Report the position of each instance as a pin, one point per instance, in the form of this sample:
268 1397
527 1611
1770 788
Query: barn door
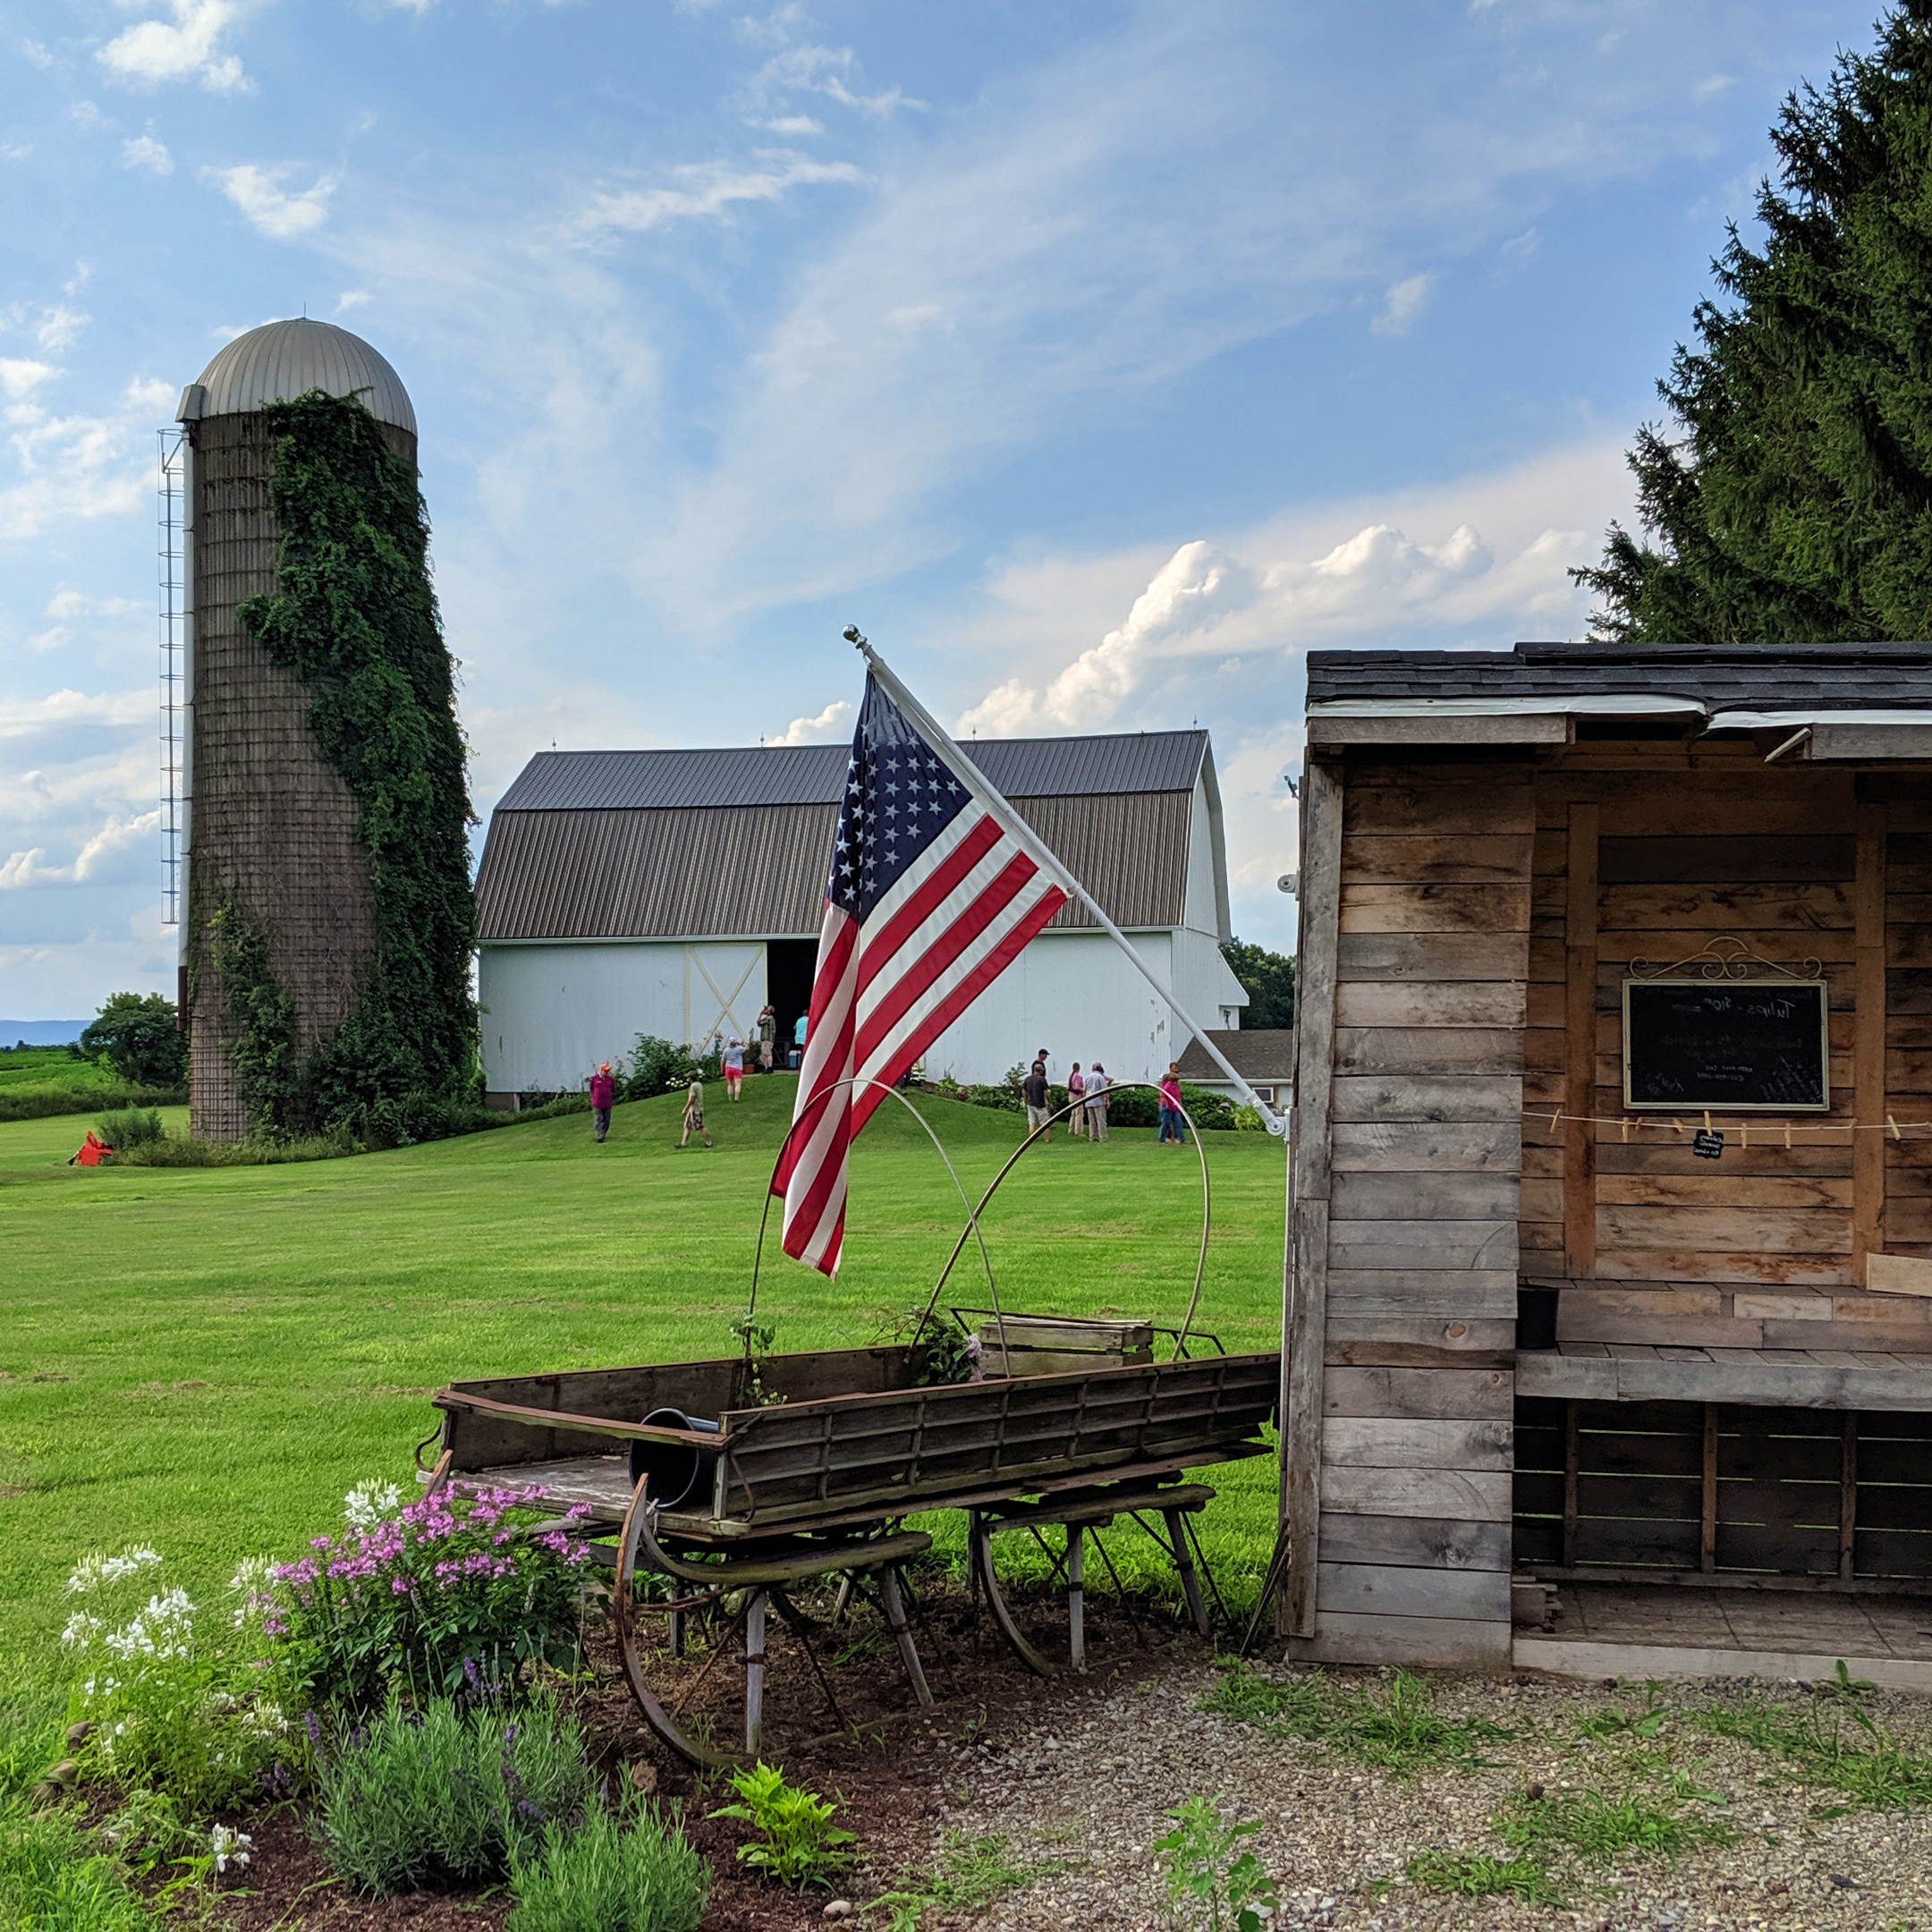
723 989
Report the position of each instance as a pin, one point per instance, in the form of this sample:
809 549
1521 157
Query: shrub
171 1700
797 1843
137 1035
660 1067
437 1595
1140 1106
432 1799
617 1874
130 1128
183 1151
47 1103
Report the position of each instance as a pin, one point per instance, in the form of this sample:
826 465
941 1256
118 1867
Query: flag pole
990 796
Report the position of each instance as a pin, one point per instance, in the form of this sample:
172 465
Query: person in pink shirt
1172 1127
603 1097
1076 1093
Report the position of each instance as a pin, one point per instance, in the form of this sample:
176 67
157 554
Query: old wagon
721 1487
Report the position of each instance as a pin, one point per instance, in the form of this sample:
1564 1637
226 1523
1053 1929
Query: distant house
1263 1057
674 892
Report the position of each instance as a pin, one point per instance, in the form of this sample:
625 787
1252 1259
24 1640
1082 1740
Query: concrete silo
271 823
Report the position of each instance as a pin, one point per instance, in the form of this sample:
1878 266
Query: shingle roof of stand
814 775
1782 677
682 844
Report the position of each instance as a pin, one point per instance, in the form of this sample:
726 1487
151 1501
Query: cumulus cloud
58 327
188 47
17 376
96 857
280 213
63 711
76 467
66 604
832 72
828 727
145 152
1403 302
710 189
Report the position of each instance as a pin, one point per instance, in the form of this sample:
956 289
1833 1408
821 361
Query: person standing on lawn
1172 1126
1097 1084
801 1026
768 1035
733 1063
1033 1090
694 1113
1076 1093
603 1097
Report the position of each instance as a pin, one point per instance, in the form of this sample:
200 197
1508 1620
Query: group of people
1087 1102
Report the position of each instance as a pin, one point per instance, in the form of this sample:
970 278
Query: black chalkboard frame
1717 1103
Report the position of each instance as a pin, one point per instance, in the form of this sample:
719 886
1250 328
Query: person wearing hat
602 1093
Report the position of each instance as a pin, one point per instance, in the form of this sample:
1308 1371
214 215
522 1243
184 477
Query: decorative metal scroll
1724 958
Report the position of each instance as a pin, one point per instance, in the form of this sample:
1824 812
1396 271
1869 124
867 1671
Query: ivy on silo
354 616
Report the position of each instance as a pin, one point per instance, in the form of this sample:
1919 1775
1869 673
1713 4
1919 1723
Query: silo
270 822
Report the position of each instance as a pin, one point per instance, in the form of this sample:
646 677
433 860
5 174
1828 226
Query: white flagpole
989 795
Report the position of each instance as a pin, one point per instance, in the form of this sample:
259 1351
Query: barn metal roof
1814 680
814 775
281 360
686 844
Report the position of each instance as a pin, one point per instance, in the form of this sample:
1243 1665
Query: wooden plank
1706 1187
1395 1443
1481 1003
1448 1395
1407 807
1361 1050
1483 1283
1447 1297
1405 1591
1303 1323
1869 1053
1815 907
1421 1245
1420 909
1438 956
1727 859
1671 1156
1796 1231
1647 1264
1425 858
1899 1274
1421 1196
1324 728
1427 1098
1416 1541
1445 1643
1617 945
1475 1495
1387 1343
1580 984
1418 1146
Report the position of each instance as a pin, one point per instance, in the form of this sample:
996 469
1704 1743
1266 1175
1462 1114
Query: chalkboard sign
1746 1045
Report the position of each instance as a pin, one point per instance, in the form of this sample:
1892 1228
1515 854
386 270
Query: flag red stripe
833 968
952 873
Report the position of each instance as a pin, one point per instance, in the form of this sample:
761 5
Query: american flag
934 891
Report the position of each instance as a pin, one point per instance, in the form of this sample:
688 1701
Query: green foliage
1617 1721
659 1065
354 617
797 1844
49 1103
1393 1725
1600 1827
1267 978
171 1699
1481 1875
129 1128
1834 1744
951 1354
1207 1865
431 1799
136 1035
1791 499
633 1873
970 1875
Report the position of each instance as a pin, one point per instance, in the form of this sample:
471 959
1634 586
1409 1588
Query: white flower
265 1720
81 1630
368 1502
95 1568
230 1848
251 1575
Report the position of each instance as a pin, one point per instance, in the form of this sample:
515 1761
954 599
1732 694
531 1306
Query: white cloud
17 376
15 150
280 213
95 856
32 717
830 71
72 467
38 55
84 113
1718 83
831 724
58 327
1402 303
144 151
709 188
186 47
352 298
793 125
67 603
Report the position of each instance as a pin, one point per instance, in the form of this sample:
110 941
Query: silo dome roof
281 360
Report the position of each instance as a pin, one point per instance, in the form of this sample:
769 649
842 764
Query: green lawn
206 1358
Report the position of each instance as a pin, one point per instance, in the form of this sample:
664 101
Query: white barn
674 892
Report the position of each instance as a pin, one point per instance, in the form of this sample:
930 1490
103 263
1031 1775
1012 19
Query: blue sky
1098 358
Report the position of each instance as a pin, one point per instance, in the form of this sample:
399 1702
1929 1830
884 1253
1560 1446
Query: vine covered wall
353 616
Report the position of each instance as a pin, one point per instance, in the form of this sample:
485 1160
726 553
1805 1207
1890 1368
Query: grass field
32 1069
206 1358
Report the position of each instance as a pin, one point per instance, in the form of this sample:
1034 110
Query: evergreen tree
1793 502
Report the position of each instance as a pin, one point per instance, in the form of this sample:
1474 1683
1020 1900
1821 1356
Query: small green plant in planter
1206 1865
798 1844
633 1872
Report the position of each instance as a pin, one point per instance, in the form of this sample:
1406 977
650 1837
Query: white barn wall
552 1013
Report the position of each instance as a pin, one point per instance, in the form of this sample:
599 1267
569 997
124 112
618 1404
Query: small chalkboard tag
1707 1144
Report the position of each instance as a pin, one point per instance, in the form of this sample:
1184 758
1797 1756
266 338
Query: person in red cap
603 1094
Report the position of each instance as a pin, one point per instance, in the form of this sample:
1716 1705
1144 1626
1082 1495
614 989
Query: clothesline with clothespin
1770 1132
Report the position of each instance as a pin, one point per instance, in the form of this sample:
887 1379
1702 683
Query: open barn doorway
789 965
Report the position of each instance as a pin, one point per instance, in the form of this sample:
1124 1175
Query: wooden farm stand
815 1489
1540 1342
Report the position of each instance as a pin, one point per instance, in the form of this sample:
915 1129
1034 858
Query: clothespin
1556 1120
1677 1127
1893 1126
1744 1133
1787 1133
1626 1127
1706 1119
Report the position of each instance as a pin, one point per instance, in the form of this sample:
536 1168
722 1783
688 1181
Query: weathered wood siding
1422 1150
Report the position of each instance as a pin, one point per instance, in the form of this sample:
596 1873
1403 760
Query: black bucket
677 1470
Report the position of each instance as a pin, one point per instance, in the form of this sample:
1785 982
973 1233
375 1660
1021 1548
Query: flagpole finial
854 636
